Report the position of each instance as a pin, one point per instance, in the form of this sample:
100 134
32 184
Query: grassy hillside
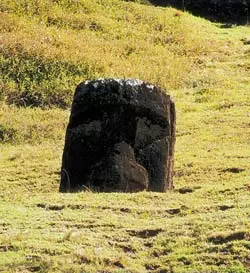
51 46
47 48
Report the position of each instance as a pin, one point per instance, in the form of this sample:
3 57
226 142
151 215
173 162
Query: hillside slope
47 48
51 46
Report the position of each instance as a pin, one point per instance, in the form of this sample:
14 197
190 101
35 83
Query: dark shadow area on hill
224 11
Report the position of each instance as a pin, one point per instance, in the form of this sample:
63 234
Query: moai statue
120 137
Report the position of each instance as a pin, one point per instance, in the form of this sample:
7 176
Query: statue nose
131 175
120 171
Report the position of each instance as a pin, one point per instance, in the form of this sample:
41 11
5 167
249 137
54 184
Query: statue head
120 137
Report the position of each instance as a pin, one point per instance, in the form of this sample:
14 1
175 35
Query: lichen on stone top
130 81
133 82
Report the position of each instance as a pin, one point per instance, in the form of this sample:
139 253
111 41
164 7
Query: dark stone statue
120 137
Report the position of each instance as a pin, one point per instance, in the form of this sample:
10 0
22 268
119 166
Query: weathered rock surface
120 137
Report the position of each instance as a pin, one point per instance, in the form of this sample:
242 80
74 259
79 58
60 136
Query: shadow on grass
225 11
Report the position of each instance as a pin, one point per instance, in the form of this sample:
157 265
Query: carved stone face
120 137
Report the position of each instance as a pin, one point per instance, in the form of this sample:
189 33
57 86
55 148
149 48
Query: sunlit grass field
203 226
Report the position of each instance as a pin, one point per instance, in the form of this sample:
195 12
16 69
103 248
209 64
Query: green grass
47 48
